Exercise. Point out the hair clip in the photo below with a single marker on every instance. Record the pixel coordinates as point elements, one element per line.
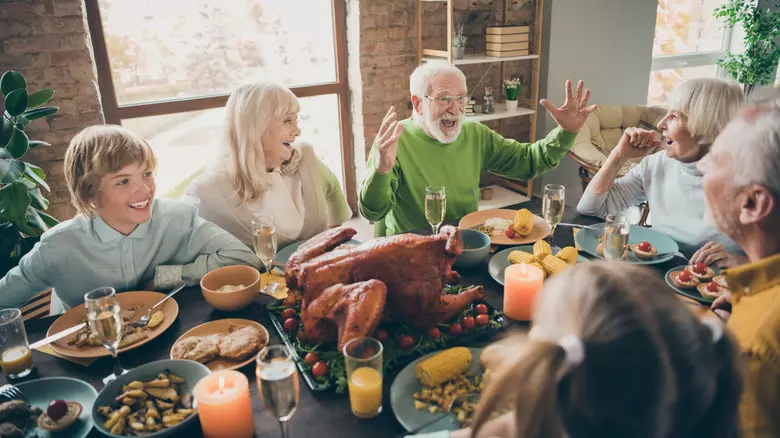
<point>574,349</point>
<point>715,325</point>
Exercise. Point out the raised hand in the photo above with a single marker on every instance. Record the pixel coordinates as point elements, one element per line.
<point>635,143</point>
<point>572,115</point>
<point>386,142</point>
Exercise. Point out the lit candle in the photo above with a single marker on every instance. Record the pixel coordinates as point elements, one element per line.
<point>521,284</point>
<point>224,406</point>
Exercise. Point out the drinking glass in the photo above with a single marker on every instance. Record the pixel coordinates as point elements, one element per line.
<point>264,242</point>
<point>552,206</point>
<point>15,356</point>
<point>105,319</point>
<point>435,206</point>
<point>278,384</point>
<point>615,240</point>
<point>363,359</point>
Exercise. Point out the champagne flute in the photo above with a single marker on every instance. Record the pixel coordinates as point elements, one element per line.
<point>615,240</point>
<point>264,242</point>
<point>105,321</point>
<point>435,206</point>
<point>553,204</point>
<point>278,384</point>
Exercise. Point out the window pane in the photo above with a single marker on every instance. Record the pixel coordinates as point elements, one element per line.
<point>162,50</point>
<point>687,26</point>
<point>187,143</point>
<point>662,82</point>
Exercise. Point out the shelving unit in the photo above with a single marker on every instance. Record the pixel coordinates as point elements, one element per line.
<point>526,107</point>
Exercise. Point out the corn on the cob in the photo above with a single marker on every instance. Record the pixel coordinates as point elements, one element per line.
<point>443,366</point>
<point>539,265</point>
<point>568,255</point>
<point>521,257</point>
<point>553,265</point>
<point>524,222</point>
<point>542,249</point>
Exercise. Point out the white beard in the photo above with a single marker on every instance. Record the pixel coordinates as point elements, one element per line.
<point>434,126</point>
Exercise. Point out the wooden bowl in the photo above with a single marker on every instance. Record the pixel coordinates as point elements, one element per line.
<point>236,275</point>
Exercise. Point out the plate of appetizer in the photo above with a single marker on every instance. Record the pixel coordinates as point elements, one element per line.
<point>645,245</point>
<point>225,344</point>
<point>698,282</point>
<point>507,227</point>
<point>537,255</point>
<point>83,343</point>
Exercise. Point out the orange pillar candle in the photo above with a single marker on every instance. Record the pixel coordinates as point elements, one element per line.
<point>224,406</point>
<point>521,284</point>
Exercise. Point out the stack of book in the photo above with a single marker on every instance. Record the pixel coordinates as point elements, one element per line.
<point>470,108</point>
<point>506,41</point>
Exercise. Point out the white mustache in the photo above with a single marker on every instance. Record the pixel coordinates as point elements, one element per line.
<point>449,117</point>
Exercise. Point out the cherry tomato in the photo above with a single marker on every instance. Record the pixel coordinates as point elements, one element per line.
<point>434,333</point>
<point>311,358</point>
<point>405,342</point>
<point>456,329</point>
<point>482,320</point>
<point>699,268</point>
<point>468,322</point>
<point>319,369</point>
<point>301,336</point>
<point>713,287</point>
<point>510,232</point>
<point>381,335</point>
<point>645,246</point>
<point>289,313</point>
<point>290,324</point>
<point>685,276</point>
<point>481,308</point>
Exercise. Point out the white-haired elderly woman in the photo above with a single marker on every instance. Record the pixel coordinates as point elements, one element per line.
<point>262,173</point>
<point>437,146</point>
<point>698,111</point>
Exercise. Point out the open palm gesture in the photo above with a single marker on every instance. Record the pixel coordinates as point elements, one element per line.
<point>572,115</point>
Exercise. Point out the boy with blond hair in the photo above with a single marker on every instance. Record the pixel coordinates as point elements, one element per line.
<point>122,237</point>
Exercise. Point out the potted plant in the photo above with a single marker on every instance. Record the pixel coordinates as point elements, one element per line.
<point>22,205</point>
<point>762,27</point>
<point>512,89</point>
<point>459,42</point>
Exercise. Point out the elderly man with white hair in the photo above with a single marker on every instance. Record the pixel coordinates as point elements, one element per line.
<point>438,146</point>
<point>742,189</point>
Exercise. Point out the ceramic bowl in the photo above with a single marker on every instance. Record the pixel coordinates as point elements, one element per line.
<point>237,275</point>
<point>476,249</point>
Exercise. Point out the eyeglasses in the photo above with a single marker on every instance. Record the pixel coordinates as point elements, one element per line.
<point>447,100</point>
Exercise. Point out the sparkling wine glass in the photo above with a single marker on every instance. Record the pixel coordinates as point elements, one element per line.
<point>615,239</point>
<point>553,204</point>
<point>105,320</point>
<point>278,384</point>
<point>264,242</point>
<point>435,206</point>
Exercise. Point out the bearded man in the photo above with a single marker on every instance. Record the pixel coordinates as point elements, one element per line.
<point>438,147</point>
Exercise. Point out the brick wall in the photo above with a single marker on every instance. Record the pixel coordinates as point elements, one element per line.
<point>47,41</point>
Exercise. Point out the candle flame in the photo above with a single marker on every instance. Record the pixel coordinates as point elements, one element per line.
<point>221,383</point>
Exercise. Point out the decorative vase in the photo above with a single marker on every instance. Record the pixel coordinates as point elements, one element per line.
<point>511,105</point>
<point>458,52</point>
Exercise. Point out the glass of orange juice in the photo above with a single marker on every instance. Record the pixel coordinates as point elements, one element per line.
<point>363,358</point>
<point>15,356</point>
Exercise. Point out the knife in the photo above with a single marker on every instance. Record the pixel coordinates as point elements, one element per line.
<point>59,335</point>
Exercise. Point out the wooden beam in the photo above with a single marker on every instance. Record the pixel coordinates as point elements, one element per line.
<point>437,53</point>
<point>347,145</point>
<point>450,12</point>
<point>105,80</point>
<point>419,32</point>
<point>537,65</point>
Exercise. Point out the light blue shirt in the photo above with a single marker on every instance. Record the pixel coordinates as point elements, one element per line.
<point>83,253</point>
<point>676,197</point>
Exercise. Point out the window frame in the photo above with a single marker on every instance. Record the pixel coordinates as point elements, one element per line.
<point>115,113</point>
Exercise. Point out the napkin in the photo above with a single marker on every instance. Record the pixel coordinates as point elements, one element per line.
<point>274,277</point>
<point>85,362</point>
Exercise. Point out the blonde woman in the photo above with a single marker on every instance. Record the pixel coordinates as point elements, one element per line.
<point>262,173</point>
<point>698,111</point>
<point>615,355</point>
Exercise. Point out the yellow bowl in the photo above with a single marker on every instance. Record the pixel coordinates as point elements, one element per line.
<point>236,275</point>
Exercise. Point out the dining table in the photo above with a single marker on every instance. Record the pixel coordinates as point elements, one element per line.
<point>319,414</point>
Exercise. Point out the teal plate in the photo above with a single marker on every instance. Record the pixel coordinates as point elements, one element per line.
<point>588,240</point>
<point>691,293</point>
<point>40,392</point>
<point>499,262</point>
<point>284,254</point>
<point>402,403</point>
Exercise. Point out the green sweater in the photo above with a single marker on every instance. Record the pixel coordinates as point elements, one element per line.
<point>398,198</point>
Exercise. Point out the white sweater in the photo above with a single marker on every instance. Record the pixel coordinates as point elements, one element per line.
<point>674,192</point>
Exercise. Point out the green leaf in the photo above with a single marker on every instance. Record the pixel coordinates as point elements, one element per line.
<point>35,222</point>
<point>6,130</point>
<point>14,200</point>
<point>22,122</point>
<point>36,174</point>
<point>18,144</point>
<point>16,102</point>
<point>9,237</point>
<point>36,143</point>
<point>37,113</point>
<point>12,80</point>
<point>50,221</point>
<point>40,97</point>
<point>10,170</point>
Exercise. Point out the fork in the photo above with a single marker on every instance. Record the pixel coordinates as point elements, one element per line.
<point>141,323</point>
<point>10,392</point>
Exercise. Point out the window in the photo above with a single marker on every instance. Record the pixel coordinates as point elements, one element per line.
<point>688,43</point>
<point>166,71</point>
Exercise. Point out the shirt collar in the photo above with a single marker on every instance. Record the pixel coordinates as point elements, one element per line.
<point>755,277</point>
<point>108,234</point>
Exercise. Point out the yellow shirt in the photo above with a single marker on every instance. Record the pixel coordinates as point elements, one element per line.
<point>755,321</point>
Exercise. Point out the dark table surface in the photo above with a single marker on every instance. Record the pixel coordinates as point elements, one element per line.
<point>319,414</point>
